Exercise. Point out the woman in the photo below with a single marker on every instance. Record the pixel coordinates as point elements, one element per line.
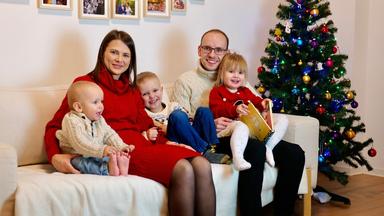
<point>187,175</point>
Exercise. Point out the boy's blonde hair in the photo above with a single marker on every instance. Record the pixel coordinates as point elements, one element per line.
<point>77,90</point>
<point>231,61</point>
<point>143,76</point>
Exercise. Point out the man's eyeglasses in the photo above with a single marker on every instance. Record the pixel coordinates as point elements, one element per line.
<point>217,50</point>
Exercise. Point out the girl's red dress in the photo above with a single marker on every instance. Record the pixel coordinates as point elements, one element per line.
<point>124,112</point>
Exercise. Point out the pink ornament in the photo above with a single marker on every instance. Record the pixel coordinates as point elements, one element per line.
<point>329,63</point>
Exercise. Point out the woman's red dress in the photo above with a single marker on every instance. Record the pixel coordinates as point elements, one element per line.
<point>124,112</point>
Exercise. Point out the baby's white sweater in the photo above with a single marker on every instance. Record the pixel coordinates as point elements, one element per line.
<point>79,135</point>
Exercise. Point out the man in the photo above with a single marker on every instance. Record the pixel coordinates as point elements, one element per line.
<point>192,91</point>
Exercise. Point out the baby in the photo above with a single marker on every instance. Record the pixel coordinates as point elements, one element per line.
<point>85,132</point>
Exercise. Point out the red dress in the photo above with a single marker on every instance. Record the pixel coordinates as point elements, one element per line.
<point>124,112</point>
<point>223,103</point>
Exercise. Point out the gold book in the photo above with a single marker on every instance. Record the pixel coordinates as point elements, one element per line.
<point>260,124</point>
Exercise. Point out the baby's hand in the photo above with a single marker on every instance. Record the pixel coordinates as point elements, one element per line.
<point>108,150</point>
<point>152,133</point>
<point>128,148</point>
<point>242,109</point>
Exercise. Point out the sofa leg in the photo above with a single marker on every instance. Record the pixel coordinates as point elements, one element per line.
<point>308,196</point>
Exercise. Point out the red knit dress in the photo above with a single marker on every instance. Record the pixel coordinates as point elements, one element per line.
<point>124,112</point>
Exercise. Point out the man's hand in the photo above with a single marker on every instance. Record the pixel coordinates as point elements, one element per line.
<point>222,123</point>
<point>62,163</point>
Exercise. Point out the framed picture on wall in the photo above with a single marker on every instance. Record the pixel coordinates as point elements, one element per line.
<point>179,5</point>
<point>94,9</point>
<point>156,8</point>
<point>55,4</point>
<point>125,9</point>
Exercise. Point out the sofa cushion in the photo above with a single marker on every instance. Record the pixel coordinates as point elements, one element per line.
<point>24,114</point>
<point>41,191</point>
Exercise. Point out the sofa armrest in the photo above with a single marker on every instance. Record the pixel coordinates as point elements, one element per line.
<point>304,131</point>
<point>8,165</point>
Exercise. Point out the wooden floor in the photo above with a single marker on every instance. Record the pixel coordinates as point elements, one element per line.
<point>366,193</point>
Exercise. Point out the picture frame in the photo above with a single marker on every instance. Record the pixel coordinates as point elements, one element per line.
<point>94,9</point>
<point>156,8</point>
<point>179,5</point>
<point>125,9</point>
<point>55,4</point>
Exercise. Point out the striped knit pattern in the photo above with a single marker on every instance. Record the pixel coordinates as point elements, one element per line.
<point>79,135</point>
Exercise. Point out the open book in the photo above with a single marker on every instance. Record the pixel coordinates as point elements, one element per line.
<point>260,124</point>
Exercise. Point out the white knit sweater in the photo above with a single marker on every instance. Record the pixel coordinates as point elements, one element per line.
<point>192,88</point>
<point>79,135</point>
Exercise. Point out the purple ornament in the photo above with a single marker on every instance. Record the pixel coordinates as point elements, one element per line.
<point>354,104</point>
<point>314,43</point>
<point>335,134</point>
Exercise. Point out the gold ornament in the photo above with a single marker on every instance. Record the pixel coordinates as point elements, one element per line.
<point>306,79</point>
<point>261,89</point>
<point>300,62</point>
<point>328,95</point>
<point>314,12</point>
<point>350,95</point>
<point>277,32</point>
<point>350,134</point>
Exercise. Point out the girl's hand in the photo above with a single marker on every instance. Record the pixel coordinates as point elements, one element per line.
<point>242,109</point>
<point>265,103</point>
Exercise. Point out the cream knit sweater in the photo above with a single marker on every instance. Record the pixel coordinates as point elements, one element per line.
<point>192,88</point>
<point>79,135</point>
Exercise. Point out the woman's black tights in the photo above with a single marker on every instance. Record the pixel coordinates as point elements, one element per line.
<point>191,191</point>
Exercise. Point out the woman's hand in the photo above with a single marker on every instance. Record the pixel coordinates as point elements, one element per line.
<point>180,145</point>
<point>62,163</point>
<point>222,123</point>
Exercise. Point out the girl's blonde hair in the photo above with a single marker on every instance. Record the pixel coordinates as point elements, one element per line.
<point>231,61</point>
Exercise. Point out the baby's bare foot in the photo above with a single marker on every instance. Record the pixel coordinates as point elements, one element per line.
<point>123,163</point>
<point>113,165</point>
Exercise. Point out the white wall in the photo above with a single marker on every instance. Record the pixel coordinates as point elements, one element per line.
<point>43,47</point>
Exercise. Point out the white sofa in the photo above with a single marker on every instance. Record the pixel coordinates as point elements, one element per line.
<point>30,186</point>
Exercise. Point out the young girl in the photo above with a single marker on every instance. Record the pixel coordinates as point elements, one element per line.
<point>229,98</point>
<point>85,132</point>
<point>173,120</point>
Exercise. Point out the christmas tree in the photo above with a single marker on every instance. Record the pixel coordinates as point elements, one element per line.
<point>304,74</point>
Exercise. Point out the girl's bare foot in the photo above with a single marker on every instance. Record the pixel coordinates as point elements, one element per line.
<point>123,163</point>
<point>113,165</point>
